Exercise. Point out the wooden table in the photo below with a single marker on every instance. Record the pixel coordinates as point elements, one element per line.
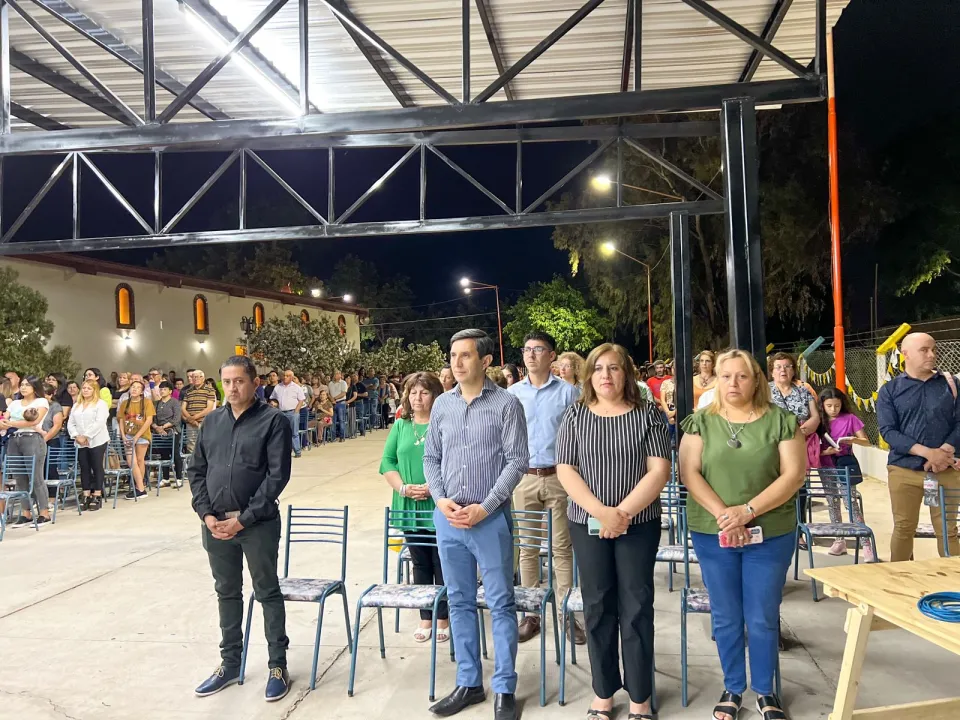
<point>884,597</point>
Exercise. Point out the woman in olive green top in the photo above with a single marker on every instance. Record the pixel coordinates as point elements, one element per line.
<point>742,461</point>
<point>402,468</point>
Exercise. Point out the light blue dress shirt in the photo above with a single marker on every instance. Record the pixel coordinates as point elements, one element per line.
<point>544,407</point>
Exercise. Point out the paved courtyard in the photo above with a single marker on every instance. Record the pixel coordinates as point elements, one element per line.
<point>112,616</point>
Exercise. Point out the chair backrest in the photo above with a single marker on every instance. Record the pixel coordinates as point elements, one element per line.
<point>828,484</point>
<point>16,465</point>
<point>304,418</point>
<point>161,442</point>
<point>949,514</point>
<point>63,458</point>
<point>530,529</point>
<point>317,525</point>
<point>115,448</point>
<point>396,523</point>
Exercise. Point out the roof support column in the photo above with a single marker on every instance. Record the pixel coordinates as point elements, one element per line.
<point>741,180</point>
<point>4,68</point>
<point>682,313</point>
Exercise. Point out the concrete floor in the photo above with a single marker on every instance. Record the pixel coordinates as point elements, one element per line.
<point>112,616</point>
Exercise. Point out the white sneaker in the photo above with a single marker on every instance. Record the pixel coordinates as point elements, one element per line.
<point>839,547</point>
<point>179,483</point>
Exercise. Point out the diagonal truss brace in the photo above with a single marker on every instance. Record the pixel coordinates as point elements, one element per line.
<point>119,104</point>
<point>218,63</point>
<point>777,15</point>
<point>472,180</point>
<point>118,196</point>
<point>666,164</point>
<point>68,160</point>
<point>754,41</point>
<point>286,186</point>
<point>569,176</point>
<point>211,181</point>
<point>376,185</point>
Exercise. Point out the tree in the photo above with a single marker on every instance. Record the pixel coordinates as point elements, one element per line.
<point>392,355</point>
<point>287,341</point>
<point>25,331</point>
<point>561,310</point>
<point>390,301</point>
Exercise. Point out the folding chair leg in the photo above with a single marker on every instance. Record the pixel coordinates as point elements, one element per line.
<point>316,646</point>
<point>556,633</point>
<point>570,634</point>
<point>683,648</point>
<point>56,502</point>
<point>483,633</point>
<point>346,620</point>
<point>356,651</point>
<point>76,496</point>
<point>796,556</point>
<point>433,657</point>
<point>383,648</point>
<point>246,639</point>
<point>813,583</point>
<point>563,658</point>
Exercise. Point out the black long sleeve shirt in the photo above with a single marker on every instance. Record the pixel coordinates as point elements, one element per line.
<point>241,464</point>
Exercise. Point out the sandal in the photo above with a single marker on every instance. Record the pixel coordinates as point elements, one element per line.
<point>443,634</point>
<point>421,635</point>
<point>730,705</point>
<point>639,716</point>
<point>599,714</point>
<point>769,707</point>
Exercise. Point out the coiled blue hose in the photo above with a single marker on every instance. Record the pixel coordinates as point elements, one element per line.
<point>943,606</point>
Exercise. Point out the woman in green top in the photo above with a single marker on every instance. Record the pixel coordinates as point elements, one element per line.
<point>402,468</point>
<point>742,461</point>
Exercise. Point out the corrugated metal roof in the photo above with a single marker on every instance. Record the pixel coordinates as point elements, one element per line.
<point>680,48</point>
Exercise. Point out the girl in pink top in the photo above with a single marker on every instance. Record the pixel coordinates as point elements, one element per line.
<point>838,421</point>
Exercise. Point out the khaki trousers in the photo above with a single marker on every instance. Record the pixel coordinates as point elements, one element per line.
<point>906,497</point>
<point>546,493</point>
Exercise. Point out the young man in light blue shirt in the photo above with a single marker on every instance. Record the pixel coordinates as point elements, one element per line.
<point>545,399</point>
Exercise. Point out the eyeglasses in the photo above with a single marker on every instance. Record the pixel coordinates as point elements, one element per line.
<point>537,351</point>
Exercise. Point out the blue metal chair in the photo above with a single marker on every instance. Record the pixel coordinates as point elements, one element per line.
<point>310,525</point>
<point>14,466</point>
<point>160,457</point>
<point>949,514</point>
<point>362,416</point>
<point>395,595</point>
<point>673,501</point>
<point>116,454</point>
<point>530,529</point>
<point>831,485</point>
<point>62,466</point>
<point>304,429</point>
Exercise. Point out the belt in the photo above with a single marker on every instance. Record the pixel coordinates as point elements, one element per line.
<point>230,514</point>
<point>542,472</point>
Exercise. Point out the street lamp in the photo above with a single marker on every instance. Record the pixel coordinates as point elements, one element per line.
<point>469,286</point>
<point>604,182</point>
<point>348,298</point>
<point>316,292</point>
<point>609,250</point>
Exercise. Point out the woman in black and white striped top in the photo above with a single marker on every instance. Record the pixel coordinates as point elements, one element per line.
<point>613,459</point>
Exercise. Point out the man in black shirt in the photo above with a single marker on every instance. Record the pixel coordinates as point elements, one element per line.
<point>239,467</point>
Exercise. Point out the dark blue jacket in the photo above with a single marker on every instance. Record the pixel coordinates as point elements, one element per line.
<point>912,411</point>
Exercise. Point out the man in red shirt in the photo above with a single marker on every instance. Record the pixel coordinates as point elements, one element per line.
<point>658,379</point>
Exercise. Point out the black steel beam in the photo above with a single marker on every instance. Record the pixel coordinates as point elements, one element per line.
<point>777,15</point>
<point>107,41</point>
<point>680,260</point>
<point>240,133</point>
<point>757,43</point>
<point>304,32</point>
<point>627,48</point>
<point>741,177</point>
<point>223,27</point>
<point>402,227</point>
<point>5,50</point>
<point>36,119</point>
<point>36,69</point>
<point>377,62</point>
<point>637,44</point>
<point>149,62</point>
<point>820,43</point>
<point>539,49</point>
<point>490,30</point>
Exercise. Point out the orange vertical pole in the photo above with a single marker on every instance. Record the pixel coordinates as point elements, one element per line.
<point>835,275</point>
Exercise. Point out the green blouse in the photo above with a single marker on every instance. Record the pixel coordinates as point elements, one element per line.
<point>403,453</point>
<point>737,475</point>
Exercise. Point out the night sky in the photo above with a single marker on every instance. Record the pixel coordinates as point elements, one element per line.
<point>896,61</point>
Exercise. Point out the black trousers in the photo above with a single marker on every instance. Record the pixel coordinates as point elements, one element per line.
<point>426,568</point>
<point>259,544</point>
<point>616,579</point>
<point>165,453</point>
<point>90,460</point>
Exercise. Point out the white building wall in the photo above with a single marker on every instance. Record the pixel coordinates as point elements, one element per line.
<point>83,310</point>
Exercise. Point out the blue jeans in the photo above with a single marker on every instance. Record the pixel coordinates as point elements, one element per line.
<point>488,545</point>
<point>293,417</point>
<point>340,419</point>
<point>746,587</point>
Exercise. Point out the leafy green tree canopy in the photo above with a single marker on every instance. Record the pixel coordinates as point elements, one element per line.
<point>287,341</point>
<point>561,310</point>
<point>25,331</point>
<point>392,355</point>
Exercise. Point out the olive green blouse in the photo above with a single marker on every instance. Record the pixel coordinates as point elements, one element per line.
<point>403,453</point>
<point>737,475</point>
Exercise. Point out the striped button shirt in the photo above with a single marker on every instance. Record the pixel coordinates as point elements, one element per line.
<point>476,453</point>
<point>610,453</point>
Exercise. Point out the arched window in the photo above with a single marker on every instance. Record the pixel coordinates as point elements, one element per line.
<point>126,312</point>
<point>201,319</point>
<point>258,315</point>
<point>304,317</point>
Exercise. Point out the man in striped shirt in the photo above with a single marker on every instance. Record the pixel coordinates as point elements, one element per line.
<point>475,455</point>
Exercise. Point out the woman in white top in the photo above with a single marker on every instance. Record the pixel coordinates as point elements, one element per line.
<point>28,440</point>
<point>87,425</point>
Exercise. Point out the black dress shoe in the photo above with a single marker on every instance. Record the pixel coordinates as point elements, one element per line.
<point>460,698</point>
<point>505,707</point>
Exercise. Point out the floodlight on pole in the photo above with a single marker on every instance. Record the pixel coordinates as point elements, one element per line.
<point>469,286</point>
<point>608,249</point>
<point>604,182</point>
<point>464,282</point>
<point>316,292</point>
<point>467,291</point>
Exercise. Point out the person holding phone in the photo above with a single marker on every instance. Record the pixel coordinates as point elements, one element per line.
<point>743,460</point>
<point>613,460</point>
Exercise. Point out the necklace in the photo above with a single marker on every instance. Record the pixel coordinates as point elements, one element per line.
<point>704,383</point>
<point>418,439</point>
<point>733,441</point>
